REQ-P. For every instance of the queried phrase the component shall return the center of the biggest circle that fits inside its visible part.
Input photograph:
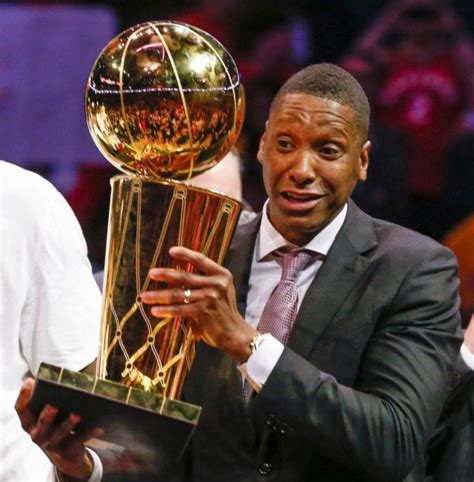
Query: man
(351, 388)
(50, 306)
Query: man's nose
(303, 169)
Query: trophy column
(147, 217)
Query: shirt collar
(270, 239)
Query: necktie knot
(293, 262)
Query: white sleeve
(467, 356)
(61, 321)
(97, 471)
(260, 364)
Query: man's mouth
(300, 200)
(300, 196)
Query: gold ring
(187, 296)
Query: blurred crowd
(415, 59)
(153, 124)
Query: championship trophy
(164, 102)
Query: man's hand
(206, 298)
(64, 447)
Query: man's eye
(329, 151)
(284, 144)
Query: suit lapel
(340, 272)
(239, 259)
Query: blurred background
(415, 59)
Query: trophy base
(152, 430)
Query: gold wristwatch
(257, 340)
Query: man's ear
(261, 145)
(364, 160)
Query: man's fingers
(86, 434)
(44, 425)
(64, 435)
(180, 278)
(172, 296)
(27, 419)
(61, 431)
(199, 260)
(172, 311)
(24, 395)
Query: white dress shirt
(265, 275)
(467, 356)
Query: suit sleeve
(378, 427)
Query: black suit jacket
(450, 451)
(362, 381)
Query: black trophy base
(148, 431)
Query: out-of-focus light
(200, 62)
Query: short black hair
(328, 81)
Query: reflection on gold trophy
(163, 101)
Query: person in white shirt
(50, 304)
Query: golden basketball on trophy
(164, 102)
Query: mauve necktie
(281, 309)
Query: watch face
(257, 340)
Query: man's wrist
(94, 470)
(256, 341)
(240, 346)
(261, 363)
(98, 468)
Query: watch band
(257, 340)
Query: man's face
(312, 158)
